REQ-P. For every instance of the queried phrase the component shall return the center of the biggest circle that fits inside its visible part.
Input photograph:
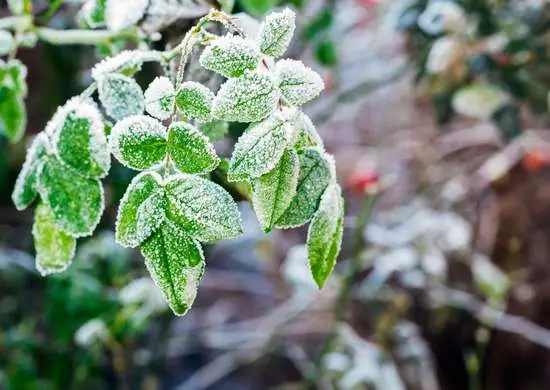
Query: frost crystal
(273, 192)
(249, 98)
(190, 150)
(194, 100)
(139, 142)
(202, 208)
(306, 134)
(160, 98)
(325, 234)
(127, 59)
(121, 96)
(315, 175)
(276, 32)
(54, 248)
(298, 83)
(231, 56)
(176, 264)
(121, 14)
(259, 149)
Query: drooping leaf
(259, 149)
(306, 134)
(202, 208)
(215, 130)
(76, 201)
(54, 248)
(273, 192)
(230, 56)
(315, 175)
(176, 264)
(139, 142)
(120, 95)
(25, 190)
(324, 237)
(160, 98)
(194, 100)
(135, 222)
(190, 150)
(249, 98)
(276, 32)
(298, 83)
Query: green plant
(171, 206)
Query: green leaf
(13, 115)
(190, 150)
(92, 13)
(138, 142)
(324, 237)
(306, 134)
(315, 175)
(76, 201)
(136, 219)
(214, 130)
(259, 149)
(81, 142)
(276, 32)
(202, 208)
(176, 264)
(54, 248)
(160, 98)
(120, 95)
(298, 83)
(249, 98)
(25, 190)
(13, 75)
(273, 192)
(231, 56)
(194, 100)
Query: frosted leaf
(58, 118)
(151, 213)
(81, 143)
(324, 237)
(76, 201)
(124, 61)
(25, 190)
(315, 175)
(298, 83)
(202, 208)
(230, 56)
(162, 13)
(160, 98)
(276, 32)
(121, 96)
(306, 134)
(249, 98)
(176, 264)
(139, 142)
(194, 100)
(215, 130)
(121, 14)
(129, 231)
(273, 192)
(479, 101)
(259, 149)
(190, 150)
(54, 248)
(12, 76)
(92, 13)
(7, 43)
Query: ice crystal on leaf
(202, 208)
(160, 98)
(276, 32)
(121, 14)
(139, 142)
(190, 150)
(325, 232)
(249, 98)
(121, 96)
(259, 149)
(231, 56)
(176, 263)
(194, 100)
(306, 134)
(54, 248)
(123, 62)
(298, 83)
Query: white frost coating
(161, 13)
(121, 96)
(123, 60)
(276, 32)
(120, 14)
(160, 98)
(298, 83)
(61, 113)
(230, 55)
(194, 100)
(306, 133)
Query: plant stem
(80, 37)
(15, 22)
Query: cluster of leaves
(480, 58)
(171, 206)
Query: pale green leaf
(202, 208)
(215, 130)
(276, 32)
(190, 150)
(176, 264)
(121, 96)
(230, 56)
(194, 100)
(298, 83)
(160, 98)
(324, 237)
